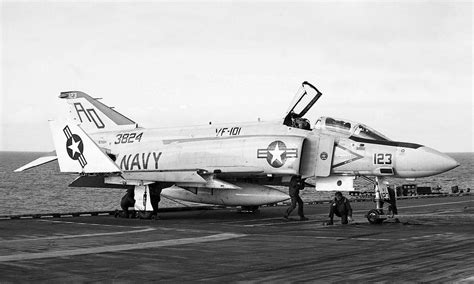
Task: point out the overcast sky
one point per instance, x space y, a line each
404 68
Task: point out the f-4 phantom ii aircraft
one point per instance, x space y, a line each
233 164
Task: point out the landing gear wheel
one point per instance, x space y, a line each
249 209
374 216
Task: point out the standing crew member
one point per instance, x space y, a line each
392 200
128 200
155 197
295 185
341 207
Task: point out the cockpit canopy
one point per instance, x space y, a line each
303 101
348 128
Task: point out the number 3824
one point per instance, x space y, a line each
124 138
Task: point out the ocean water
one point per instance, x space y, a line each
45 190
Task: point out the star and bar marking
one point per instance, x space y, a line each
277 153
74 147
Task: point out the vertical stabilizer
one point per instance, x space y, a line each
94 116
77 152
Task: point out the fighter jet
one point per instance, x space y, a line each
237 164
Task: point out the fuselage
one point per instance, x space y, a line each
267 148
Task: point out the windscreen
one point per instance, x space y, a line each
339 125
348 128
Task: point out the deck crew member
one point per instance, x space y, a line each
128 200
155 197
340 207
294 191
392 200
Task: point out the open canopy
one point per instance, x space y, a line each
303 101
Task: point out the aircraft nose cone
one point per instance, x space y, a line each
423 162
436 161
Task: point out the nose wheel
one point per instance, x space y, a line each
376 216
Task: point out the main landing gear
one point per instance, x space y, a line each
249 209
383 196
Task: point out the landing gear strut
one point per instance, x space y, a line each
377 215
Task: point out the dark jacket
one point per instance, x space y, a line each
294 191
343 206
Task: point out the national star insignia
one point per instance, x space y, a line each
276 154
75 146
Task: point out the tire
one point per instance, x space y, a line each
252 209
373 216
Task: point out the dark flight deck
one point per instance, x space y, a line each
433 242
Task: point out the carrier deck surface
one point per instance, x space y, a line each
434 241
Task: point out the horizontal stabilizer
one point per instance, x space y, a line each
38 162
77 152
95 181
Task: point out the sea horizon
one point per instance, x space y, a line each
45 189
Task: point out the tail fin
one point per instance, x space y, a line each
94 116
77 152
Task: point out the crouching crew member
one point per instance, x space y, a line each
294 191
341 207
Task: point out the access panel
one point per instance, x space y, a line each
324 156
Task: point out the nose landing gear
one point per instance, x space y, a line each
382 195
376 216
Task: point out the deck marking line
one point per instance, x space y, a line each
467 280
423 205
91 224
435 204
349 238
249 220
78 236
283 222
124 247
131 227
